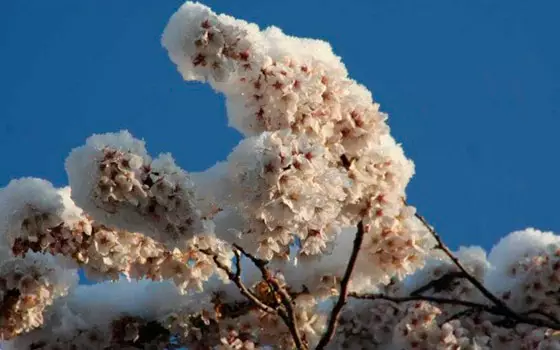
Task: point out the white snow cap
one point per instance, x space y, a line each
25 197
513 249
119 185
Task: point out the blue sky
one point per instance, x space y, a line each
471 88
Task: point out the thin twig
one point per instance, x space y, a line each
346 162
438 300
541 313
344 284
492 309
236 279
442 283
466 312
501 306
287 314
441 246
290 320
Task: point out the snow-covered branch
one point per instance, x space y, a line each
261 250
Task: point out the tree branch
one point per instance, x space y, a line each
344 284
437 300
287 314
442 283
441 246
236 278
541 313
500 306
466 312
492 309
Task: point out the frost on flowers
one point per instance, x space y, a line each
117 183
43 219
308 209
318 156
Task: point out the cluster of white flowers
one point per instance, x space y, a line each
287 188
418 330
103 315
316 162
368 324
515 264
237 324
45 219
27 287
418 325
29 283
530 271
541 275
115 181
442 278
109 254
318 156
33 211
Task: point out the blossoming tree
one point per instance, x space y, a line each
302 238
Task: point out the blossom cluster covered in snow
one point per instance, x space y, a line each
317 160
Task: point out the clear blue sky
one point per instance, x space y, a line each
472 89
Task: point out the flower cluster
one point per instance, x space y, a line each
116 315
426 325
237 324
418 325
532 272
224 319
104 253
539 286
117 183
27 287
318 156
418 330
317 160
442 278
287 188
366 324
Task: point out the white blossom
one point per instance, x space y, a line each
316 169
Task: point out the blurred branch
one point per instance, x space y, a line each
441 246
287 313
492 309
442 283
500 307
236 279
344 284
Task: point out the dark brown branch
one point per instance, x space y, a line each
541 313
236 279
437 300
346 163
441 246
501 306
344 284
442 283
287 314
466 312
231 310
492 309
290 316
